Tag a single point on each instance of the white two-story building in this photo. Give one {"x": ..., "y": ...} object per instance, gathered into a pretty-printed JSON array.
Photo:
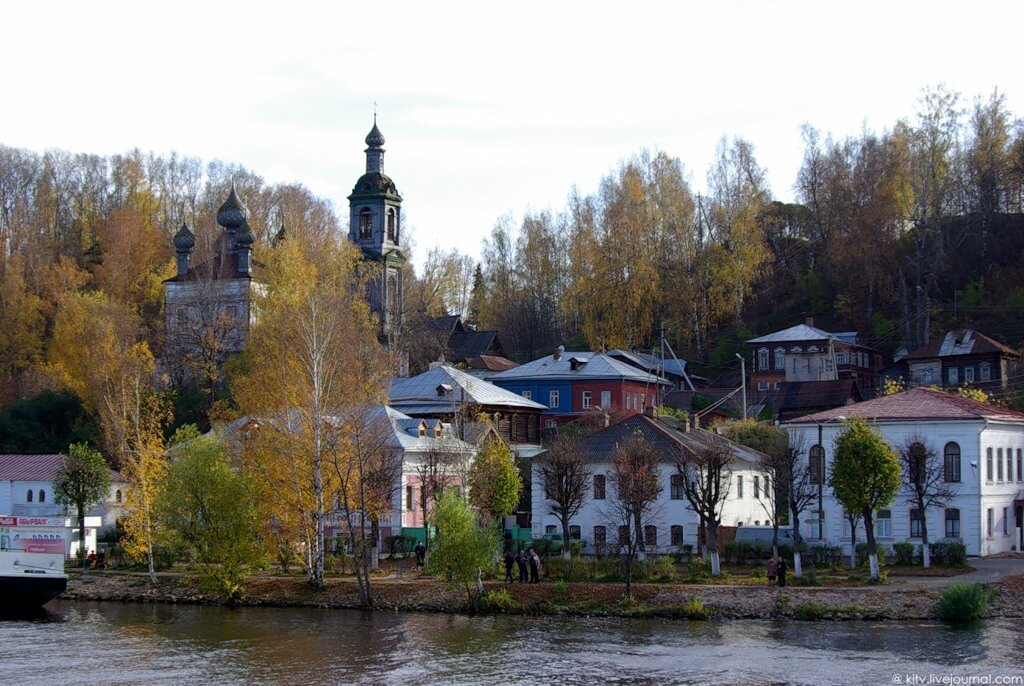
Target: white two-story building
[
  {"x": 671, "y": 521},
  {"x": 981, "y": 447}
]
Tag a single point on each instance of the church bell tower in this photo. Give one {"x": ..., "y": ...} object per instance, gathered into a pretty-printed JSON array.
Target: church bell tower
[{"x": 375, "y": 225}]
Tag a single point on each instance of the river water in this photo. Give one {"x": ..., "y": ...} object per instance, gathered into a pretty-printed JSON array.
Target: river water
[{"x": 112, "y": 643}]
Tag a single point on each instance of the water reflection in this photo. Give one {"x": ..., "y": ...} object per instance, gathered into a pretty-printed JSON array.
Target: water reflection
[{"x": 157, "y": 644}]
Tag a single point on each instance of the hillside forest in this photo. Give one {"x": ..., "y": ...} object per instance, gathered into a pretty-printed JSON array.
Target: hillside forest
[{"x": 900, "y": 233}]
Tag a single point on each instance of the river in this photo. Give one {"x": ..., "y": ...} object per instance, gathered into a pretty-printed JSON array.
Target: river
[{"x": 112, "y": 643}]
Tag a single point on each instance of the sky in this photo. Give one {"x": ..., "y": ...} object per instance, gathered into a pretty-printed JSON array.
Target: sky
[{"x": 487, "y": 108}]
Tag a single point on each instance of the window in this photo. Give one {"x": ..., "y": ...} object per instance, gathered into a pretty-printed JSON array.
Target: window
[
  {"x": 365, "y": 223},
  {"x": 757, "y": 487},
  {"x": 952, "y": 462},
  {"x": 817, "y": 465},
  {"x": 1009, "y": 464},
  {"x": 574, "y": 532},
  {"x": 550, "y": 529},
  {"x": 999, "y": 464},
  {"x": 842, "y": 358},
  {"x": 587, "y": 398},
  {"x": 553, "y": 399},
  {"x": 392, "y": 236},
  {"x": 953, "y": 374},
  {"x": 739, "y": 486},
  {"x": 629, "y": 401},
  {"x": 767, "y": 490},
  {"x": 1006, "y": 521},
  {"x": 985, "y": 371},
  {"x": 676, "y": 489},
  {"x": 599, "y": 535},
  {"x": 812, "y": 349},
  {"x": 780, "y": 358},
  {"x": 797, "y": 349},
  {"x": 42, "y": 496},
  {"x": 643, "y": 400},
  {"x": 117, "y": 496},
  {"x": 989, "y": 517},
  {"x": 651, "y": 536},
  {"x": 408, "y": 498},
  {"x": 606, "y": 399},
  {"x": 550, "y": 424},
  {"x": 762, "y": 385},
  {"x": 1020, "y": 477},
  {"x": 883, "y": 524},
  {"x": 676, "y": 532},
  {"x": 28, "y": 496},
  {"x": 953, "y": 523},
  {"x": 623, "y": 535},
  {"x": 847, "y": 528},
  {"x": 814, "y": 524},
  {"x": 988, "y": 465},
  {"x": 915, "y": 523},
  {"x": 762, "y": 359},
  {"x": 599, "y": 487},
  {"x": 917, "y": 456},
  {"x": 528, "y": 395},
  {"x": 969, "y": 374}
]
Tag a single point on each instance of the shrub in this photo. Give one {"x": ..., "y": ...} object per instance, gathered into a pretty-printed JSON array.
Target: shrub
[
  {"x": 697, "y": 571},
  {"x": 499, "y": 600},
  {"x": 862, "y": 553},
  {"x": 684, "y": 553},
  {"x": 542, "y": 546},
  {"x": 694, "y": 609},
  {"x": 810, "y": 612},
  {"x": 963, "y": 602},
  {"x": 904, "y": 552},
  {"x": 560, "y": 588},
  {"x": 661, "y": 569},
  {"x": 823, "y": 555},
  {"x": 576, "y": 548},
  {"x": 949, "y": 553}
]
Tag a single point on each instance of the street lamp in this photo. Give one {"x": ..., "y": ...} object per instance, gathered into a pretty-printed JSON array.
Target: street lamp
[{"x": 819, "y": 458}]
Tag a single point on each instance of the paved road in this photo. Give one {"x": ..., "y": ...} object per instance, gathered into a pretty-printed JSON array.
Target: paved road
[{"x": 986, "y": 570}]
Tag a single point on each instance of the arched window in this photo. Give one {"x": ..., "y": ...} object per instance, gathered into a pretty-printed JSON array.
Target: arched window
[
  {"x": 988, "y": 464},
  {"x": 42, "y": 496},
  {"x": 677, "y": 534},
  {"x": 599, "y": 487},
  {"x": 651, "y": 536},
  {"x": 365, "y": 223},
  {"x": 600, "y": 535},
  {"x": 952, "y": 523},
  {"x": 812, "y": 349},
  {"x": 999, "y": 464},
  {"x": 985, "y": 372},
  {"x": 817, "y": 465},
  {"x": 780, "y": 358},
  {"x": 392, "y": 235},
  {"x": 762, "y": 358},
  {"x": 916, "y": 523},
  {"x": 917, "y": 458},
  {"x": 117, "y": 496},
  {"x": 28, "y": 496},
  {"x": 951, "y": 462}
]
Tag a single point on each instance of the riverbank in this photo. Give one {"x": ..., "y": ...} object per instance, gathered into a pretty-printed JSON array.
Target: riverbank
[{"x": 902, "y": 600}]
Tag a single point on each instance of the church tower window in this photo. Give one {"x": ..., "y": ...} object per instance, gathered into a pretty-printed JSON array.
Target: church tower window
[
  {"x": 392, "y": 232},
  {"x": 365, "y": 223}
]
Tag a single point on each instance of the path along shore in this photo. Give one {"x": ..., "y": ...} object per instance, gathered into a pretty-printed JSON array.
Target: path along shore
[{"x": 903, "y": 598}]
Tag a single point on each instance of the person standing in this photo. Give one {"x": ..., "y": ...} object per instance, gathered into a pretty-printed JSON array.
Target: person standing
[
  {"x": 421, "y": 554},
  {"x": 781, "y": 571},
  {"x": 772, "y": 568},
  {"x": 510, "y": 561},
  {"x": 521, "y": 561},
  {"x": 534, "y": 566}
]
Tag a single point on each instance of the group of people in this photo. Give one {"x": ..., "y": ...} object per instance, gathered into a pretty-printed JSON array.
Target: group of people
[
  {"x": 528, "y": 562},
  {"x": 777, "y": 571},
  {"x": 96, "y": 561}
]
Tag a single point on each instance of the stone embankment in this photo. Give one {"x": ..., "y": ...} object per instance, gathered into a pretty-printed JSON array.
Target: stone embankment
[{"x": 897, "y": 600}]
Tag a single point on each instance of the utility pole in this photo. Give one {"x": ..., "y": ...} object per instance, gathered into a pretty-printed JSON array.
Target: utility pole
[{"x": 743, "y": 382}]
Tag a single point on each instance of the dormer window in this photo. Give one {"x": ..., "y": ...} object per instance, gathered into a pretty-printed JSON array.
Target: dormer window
[
  {"x": 443, "y": 390},
  {"x": 577, "y": 362},
  {"x": 437, "y": 430},
  {"x": 423, "y": 429},
  {"x": 365, "y": 223}
]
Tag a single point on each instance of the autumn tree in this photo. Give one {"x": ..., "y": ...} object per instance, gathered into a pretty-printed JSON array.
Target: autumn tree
[
  {"x": 494, "y": 481},
  {"x": 707, "y": 476},
  {"x": 928, "y": 482},
  {"x": 312, "y": 351},
  {"x": 636, "y": 480},
  {"x": 83, "y": 481},
  {"x": 566, "y": 478},
  {"x": 462, "y": 549},
  {"x": 21, "y": 328},
  {"x": 865, "y": 477}
]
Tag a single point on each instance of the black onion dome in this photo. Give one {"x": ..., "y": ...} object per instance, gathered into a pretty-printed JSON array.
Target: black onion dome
[
  {"x": 184, "y": 240},
  {"x": 243, "y": 235},
  {"x": 375, "y": 138},
  {"x": 232, "y": 214}
]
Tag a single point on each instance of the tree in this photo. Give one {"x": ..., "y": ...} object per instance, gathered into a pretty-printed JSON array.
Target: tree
[
  {"x": 566, "y": 477},
  {"x": 462, "y": 548},
  {"x": 636, "y": 478},
  {"x": 865, "y": 476},
  {"x": 707, "y": 477},
  {"x": 435, "y": 471},
  {"x": 312, "y": 353},
  {"x": 494, "y": 481},
  {"x": 83, "y": 481},
  {"x": 925, "y": 482},
  {"x": 800, "y": 493},
  {"x": 212, "y": 510},
  {"x": 774, "y": 463}
]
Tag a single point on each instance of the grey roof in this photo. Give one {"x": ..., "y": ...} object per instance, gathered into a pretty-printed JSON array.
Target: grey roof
[
  {"x": 800, "y": 332},
  {"x": 651, "y": 362},
  {"x": 595, "y": 366},
  {"x": 421, "y": 390},
  {"x": 184, "y": 240},
  {"x": 232, "y": 214}
]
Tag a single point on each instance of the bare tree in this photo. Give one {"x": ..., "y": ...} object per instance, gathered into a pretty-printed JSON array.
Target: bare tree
[
  {"x": 436, "y": 469},
  {"x": 637, "y": 481},
  {"x": 566, "y": 478},
  {"x": 707, "y": 476},
  {"x": 801, "y": 493},
  {"x": 926, "y": 482},
  {"x": 773, "y": 445},
  {"x": 854, "y": 519}
]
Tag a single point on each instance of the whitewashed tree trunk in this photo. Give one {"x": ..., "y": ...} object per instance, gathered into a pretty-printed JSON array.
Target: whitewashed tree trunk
[
  {"x": 798, "y": 565},
  {"x": 716, "y": 567},
  {"x": 874, "y": 566}
]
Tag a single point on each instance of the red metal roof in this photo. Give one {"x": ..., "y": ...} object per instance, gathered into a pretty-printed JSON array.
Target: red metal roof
[
  {"x": 35, "y": 468},
  {"x": 916, "y": 403}
]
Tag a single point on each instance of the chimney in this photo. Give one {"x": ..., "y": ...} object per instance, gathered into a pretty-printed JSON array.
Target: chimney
[
  {"x": 809, "y": 321},
  {"x": 649, "y": 410},
  {"x": 607, "y": 420},
  {"x": 687, "y": 425},
  {"x": 558, "y": 353},
  {"x": 696, "y": 421}
]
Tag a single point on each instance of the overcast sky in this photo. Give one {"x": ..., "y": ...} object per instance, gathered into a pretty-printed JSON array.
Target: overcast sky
[{"x": 486, "y": 107}]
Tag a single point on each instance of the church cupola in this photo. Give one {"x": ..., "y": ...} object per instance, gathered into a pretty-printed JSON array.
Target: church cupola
[
  {"x": 184, "y": 241},
  {"x": 243, "y": 247},
  {"x": 231, "y": 215},
  {"x": 375, "y": 151}
]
